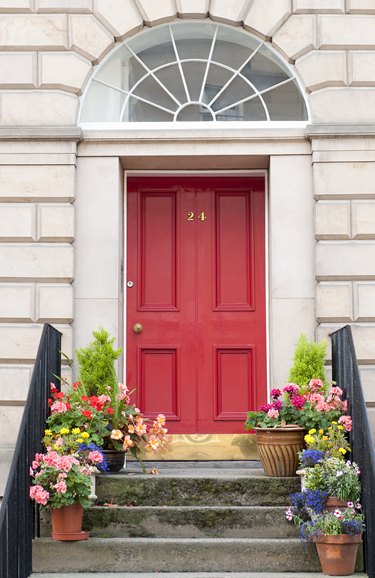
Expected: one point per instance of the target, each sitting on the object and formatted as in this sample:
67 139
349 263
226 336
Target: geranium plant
309 407
62 479
108 420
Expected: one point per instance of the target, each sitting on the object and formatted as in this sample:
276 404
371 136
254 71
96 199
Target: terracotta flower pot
333 503
278 449
338 554
67 523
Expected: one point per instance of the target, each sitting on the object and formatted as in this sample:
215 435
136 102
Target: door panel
196 257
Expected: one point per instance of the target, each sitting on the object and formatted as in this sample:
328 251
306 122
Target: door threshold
206 447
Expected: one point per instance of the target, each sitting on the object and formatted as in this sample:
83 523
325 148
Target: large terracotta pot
278 449
338 554
115 460
67 523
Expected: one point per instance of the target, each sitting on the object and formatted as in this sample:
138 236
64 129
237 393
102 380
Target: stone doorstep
174 555
193 575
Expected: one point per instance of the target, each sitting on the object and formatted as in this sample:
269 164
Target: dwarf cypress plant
96 363
308 362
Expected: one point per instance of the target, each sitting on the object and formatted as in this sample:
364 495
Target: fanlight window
193 71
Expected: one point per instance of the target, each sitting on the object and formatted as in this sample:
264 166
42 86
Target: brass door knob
138 328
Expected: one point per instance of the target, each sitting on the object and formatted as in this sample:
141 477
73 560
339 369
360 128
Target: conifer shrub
96 363
308 362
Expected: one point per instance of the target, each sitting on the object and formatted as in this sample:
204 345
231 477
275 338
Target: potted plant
337 536
338 478
291 412
61 481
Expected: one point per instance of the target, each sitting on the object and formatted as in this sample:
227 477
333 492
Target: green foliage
97 364
336 477
308 362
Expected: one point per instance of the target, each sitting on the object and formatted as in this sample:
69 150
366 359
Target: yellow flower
309 439
64 430
342 450
47 432
56 447
80 440
312 431
334 422
321 432
325 438
330 428
340 427
85 435
76 431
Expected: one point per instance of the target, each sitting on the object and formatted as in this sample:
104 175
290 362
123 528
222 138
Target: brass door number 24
191 216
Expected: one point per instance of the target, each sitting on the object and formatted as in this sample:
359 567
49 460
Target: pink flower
59 407
116 434
275 393
298 401
289 515
273 414
315 398
40 495
338 514
346 421
96 457
104 399
335 391
316 384
128 442
61 487
291 388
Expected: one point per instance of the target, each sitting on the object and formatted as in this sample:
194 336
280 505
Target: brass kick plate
206 447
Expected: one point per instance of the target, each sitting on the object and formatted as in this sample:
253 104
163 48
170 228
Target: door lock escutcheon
137 327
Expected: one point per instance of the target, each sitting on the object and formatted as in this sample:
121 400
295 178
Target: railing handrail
346 373
19 518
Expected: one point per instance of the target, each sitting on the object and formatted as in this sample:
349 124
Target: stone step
188 522
174 555
240 488
192 575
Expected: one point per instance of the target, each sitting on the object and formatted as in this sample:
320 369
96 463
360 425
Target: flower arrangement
107 420
336 477
333 440
60 479
346 521
309 407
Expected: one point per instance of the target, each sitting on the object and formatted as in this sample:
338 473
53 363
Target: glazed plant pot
278 449
115 460
338 554
67 523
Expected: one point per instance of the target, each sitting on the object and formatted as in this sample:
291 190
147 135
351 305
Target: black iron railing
345 372
19 518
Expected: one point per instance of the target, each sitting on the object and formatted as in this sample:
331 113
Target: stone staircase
192 518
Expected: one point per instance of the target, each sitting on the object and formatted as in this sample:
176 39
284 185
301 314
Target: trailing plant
346 521
308 361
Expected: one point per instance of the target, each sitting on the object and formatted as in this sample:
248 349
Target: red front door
196 285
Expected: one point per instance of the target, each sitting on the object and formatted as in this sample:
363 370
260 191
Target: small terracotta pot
278 449
67 523
338 554
333 503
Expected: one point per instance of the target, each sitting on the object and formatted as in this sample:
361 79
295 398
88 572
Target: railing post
19 519
346 373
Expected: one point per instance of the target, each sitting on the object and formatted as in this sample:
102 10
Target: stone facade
56 180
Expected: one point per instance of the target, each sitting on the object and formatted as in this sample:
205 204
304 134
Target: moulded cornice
341 130
41 133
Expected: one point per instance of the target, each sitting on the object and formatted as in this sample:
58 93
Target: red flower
84 398
53 387
110 410
87 413
68 406
59 395
76 385
49 401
